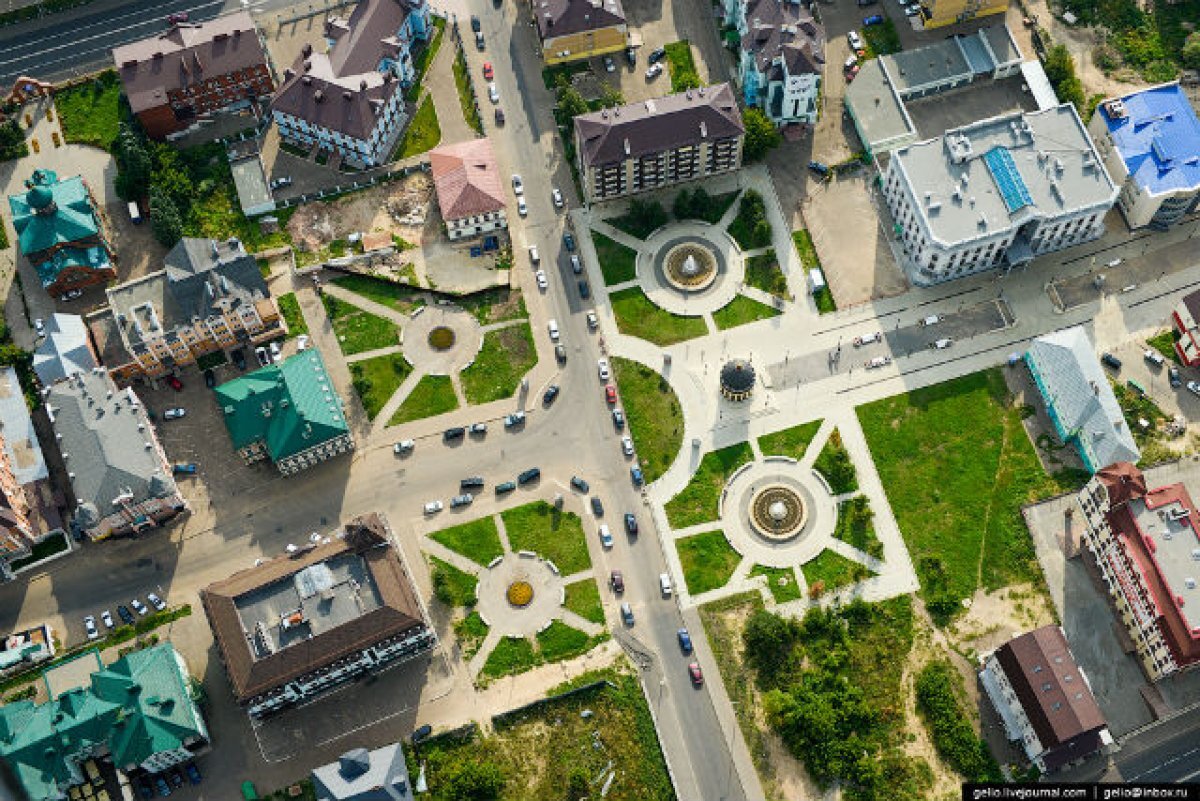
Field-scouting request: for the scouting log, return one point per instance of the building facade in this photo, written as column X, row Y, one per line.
column 575, row 30
column 288, row 412
column 297, row 626
column 62, row 232
column 350, row 100
column 780, row 60
column 120, row 479
column 938, row 13
column 659, row 143
column 193, row 70
column 209, row 296
column 1186, row 318
column 1149, row 141
column 470, row 193
column 996, row 194
column 1145, row 544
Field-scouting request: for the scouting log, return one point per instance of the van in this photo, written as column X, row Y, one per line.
column 932, row 319
column 135, row 213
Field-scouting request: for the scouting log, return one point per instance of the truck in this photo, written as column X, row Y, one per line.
column 135, row 214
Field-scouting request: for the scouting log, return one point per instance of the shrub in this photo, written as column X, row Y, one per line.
column 953, row 735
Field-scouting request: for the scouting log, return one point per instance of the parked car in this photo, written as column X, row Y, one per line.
column 125, row 615
column 685, row 641
column 89, row 623
column 451, row 434
column 941, row 344
column 530, row 475
column 616, row 580
column 210, row 378
column 552, row 328
column 433, row 507
column 609, row 64
column 664, row 585
column 578, row 483
column 1111, row 361
column 263, row 357
column 302, row 343
column 560, row 354
column 556, row 196
column 161, row 785
column 534, row 258
column 932, row 319
column 550, row 394
column 505, row 487
column 602, row 368
column 867, row 339
column 657, row 55
column 177, row 17
column 281, row 182
column 1154, row 357
column 193, row 772
column 874, row 19
column 471, row 483
column 877, row 362
column 475, row 25
column 403, row 447
column 478, row 429
column 174, row 383
column 635, row 475
column 569, row 241
column 479, row 43
column 500, row 116
column 1173, row 377
column 856, row 42
column 627, row 614
column 654, row 71
column 518, row 185
column 819, row 168
column 606, row 537
column 158, row 603
column 631, row 57
column 513, row 420
column 631, row 524
column 597, row 507
column 627, row 446
column 461, row 500
column 610, row 394
column 71, row 295
column 138, row 606
column 488, row 73
column 618, row 417
column 695, row 674
column 585, row 291
column 576, row 264
column 174, row 413
column 184, row 468
column 593, row 322
column 1194, row 388
column 106, row 618
column 522, row 207
column 540, row 277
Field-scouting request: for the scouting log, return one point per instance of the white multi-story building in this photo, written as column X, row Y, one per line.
column 996, row 193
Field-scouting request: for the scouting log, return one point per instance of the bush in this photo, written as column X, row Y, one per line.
column 953, row 735
column 12, row 141
column 164, row 218
column 1060, row 69
column 761, row 135
column 1190, row 54
column 750, row 227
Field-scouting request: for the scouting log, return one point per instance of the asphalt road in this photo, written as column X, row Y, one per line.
column 1168, row 752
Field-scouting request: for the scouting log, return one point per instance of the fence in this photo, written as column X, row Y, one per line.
column 514, row 716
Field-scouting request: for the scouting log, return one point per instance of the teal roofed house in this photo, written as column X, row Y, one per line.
column 289, row 413
column 139, row 713
column 61, row 233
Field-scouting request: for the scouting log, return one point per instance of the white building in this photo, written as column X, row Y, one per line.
column 996, row 193
column 469, row 190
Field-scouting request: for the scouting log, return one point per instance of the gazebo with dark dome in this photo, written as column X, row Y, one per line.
column 737, row 380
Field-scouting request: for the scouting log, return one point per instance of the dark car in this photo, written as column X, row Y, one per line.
column 145, row 788
column 585, row 291
column 193, row 772
column 874, row 19
column 597, row 507
column 819, row 168
column 579, row 484
column 474, row 482
column 532, row 474
column 177, row 17
column 452, row 434
column 239, row 358
column 560, row 354
column 631, row 525
column 421, row 733
column 695, row 674
column 210, row 378
column 627, row 614
column 125, row 615
column 161, row 784
column 1111, row 361
column 618, row 419
column 616, row 581
column 475, row 26
column 635, row 475
column 631, row 57
column 685, row 641
column 499, row 116
column 1173, row 377
column 550, row 394
column 569, row 242
column 505, row 487
column 176, row 779
column 461, row 500
column 656, row 55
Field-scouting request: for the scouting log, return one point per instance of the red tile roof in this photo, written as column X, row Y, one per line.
column 467, row 179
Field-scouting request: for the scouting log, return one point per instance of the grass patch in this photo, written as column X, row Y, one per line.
column 583, row 598
column 424, row 58
column 618, row 263
column 831, row 571
column 423, row 132
column 681, row 66
column 638, row 316
column 506, row 356
column 512, row 655
column 452, row 586
column 856, row 526
column 699, row 205
column 470, row 631
column 763, row 272
column 560, row 641
column 742, row 310
column 1164, row 343
column 466, row 97
column 834, row 463
column 56, row 543
column 478, row 540
column 91, row 112
column 555, row 535
column 791, row 442
column 707, row 560
column 293, row 318
column 750, row 228
column 781, row 581
column 1136, row 406
column 358, row 331
column 376, row 380
column 957, row 466
column 881, row 39
column 810, row 261
column 697, row 502
column 495, row 305
column 404, row 299
column 216, row 212
column 655, row 418
column 433, row 395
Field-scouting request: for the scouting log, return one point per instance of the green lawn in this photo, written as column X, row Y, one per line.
column 359, row 331
column 763, row 272
column 781, row 582
column 957, row 466
column 423, row 132
column 42, row 550
column 289, row 309
column 681, row 66
column 1164, row 343
column 377, row 379
column 452, row 586
column 638, row 316
column 710, row 208
column 834, row 463
column 90, row 112
column 512, row 655
column 855, row 525
column 583, row 598
column 550, row 75
column 553, row 534
column 560, row 641
column 404, row 299
column 470, row 631
column 495, row 305
column 466, row 97
column 881, row 39
column 742, row 310
column 831, row 571
column 654, row 417
column 809, row 259
column 478, row 540
column 707, row 560
column 791, row 442
column 424, row 57
column 506, row 356
column 617, row 262
column 433, row 395
column 216, row 212
column 697, row 502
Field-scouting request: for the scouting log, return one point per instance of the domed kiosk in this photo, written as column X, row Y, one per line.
column 737, row 380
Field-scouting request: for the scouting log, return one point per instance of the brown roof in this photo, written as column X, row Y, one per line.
column 399, row 611
column 788, row 29
column 665, row 123
column 1056, row 699
column 367, row 36
column 565, row 17
column 1191, row 302
column 467, row 179
column 1123, row 482
column 187, row 54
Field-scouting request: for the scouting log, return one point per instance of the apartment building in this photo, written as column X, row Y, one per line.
column 1150, row 143
column 575, row 30
column 996, row 194
column 194, row 70
column 470, row 193
column 350, row 100
column 781, row 58
column 659, row 143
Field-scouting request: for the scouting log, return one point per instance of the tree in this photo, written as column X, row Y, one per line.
column 577, row 783
column 761, row 134
column 1190, row 54
column 570, row 105
column 472, row 781
column 172, row 176
column 769, row 640
column 133, row 164
column 1060, row 69
column 164, row 217
column 649, row 213
column 682, row 207
column 611, row 96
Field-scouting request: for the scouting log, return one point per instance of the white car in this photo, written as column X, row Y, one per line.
column 654, row 71
column 89, row 623
column 592, row 321
column 302, row 342
column 941, row 344
column 932, row 319
column 518, row 187
column 1194, row 388
column 664, row 584
column 275, row 351
column 557, row 197
column 403, row 446
column 156, row 602
column 263, row 357
column 855, row 40
column 138, row 606
column 493, row 92
column 606, row 537
column 609, row 64
column 627, row 446
column 433, row 507
column 39, row 325
column 552, row 327
column 541, row 280
column 576, row 264
column 867, row 339
column 522, row 207
column 106, row 616
column 533, row 254
column 174, row 414
column 602, row 368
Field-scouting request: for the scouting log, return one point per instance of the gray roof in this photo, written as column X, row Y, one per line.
column 653, row 126
column 775, row 28
column 875, row 104
column 107, row 442
column 1075, row 385
column 16, row 426
column 1002, row 44
column 65, row 349
column 1006, row 171
column 201, row 278
column 940, row 61
column 565, row 17
column 251, row 183
column 362, row 775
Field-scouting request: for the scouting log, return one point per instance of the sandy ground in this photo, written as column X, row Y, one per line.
column 403, row 207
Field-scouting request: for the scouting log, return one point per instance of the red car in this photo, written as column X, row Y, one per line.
column 610, row 393
column 695, row 674
column 175, row 383
column 177, row 17
column 487, row 70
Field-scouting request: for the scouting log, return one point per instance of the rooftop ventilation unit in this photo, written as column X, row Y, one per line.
column 1116, row 109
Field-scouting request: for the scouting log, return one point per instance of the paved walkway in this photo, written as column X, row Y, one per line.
column 444, row 91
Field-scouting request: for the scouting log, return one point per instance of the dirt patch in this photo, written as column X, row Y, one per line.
column 515, row 343
column 995, row 618
column 403, row 208
column 946, row 782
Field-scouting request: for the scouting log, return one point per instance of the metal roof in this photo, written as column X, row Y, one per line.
column 1158, row 136
column 16, row 427
column 64, row 350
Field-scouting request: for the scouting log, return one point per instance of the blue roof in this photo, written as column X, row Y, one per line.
column 1158, row 138
column 1004, row 172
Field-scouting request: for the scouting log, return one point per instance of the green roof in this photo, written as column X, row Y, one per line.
column 290, row 407
column 53, row 214
column 138, row 706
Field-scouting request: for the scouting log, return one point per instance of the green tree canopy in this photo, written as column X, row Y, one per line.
column 761, row 135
